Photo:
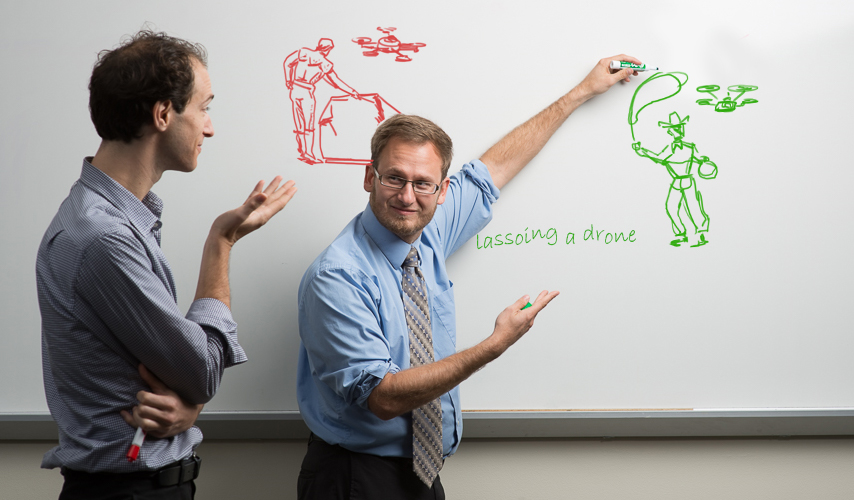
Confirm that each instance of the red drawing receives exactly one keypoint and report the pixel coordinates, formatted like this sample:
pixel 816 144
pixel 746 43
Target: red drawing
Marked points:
pixel 354 113
pixel 388 44
pixel 355 120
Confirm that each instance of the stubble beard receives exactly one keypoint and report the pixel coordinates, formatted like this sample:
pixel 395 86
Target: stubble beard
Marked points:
pixel 398 225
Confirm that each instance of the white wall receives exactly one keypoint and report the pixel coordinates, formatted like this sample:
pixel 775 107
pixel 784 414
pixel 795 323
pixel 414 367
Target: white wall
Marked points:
pixel 759 318
pixel 753 469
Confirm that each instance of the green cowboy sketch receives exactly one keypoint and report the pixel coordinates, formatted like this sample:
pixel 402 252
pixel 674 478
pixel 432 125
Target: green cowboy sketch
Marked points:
pixel 684 205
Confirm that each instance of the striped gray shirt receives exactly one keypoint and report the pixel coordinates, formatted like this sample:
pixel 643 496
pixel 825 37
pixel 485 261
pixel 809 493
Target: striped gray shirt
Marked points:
pixel 108 302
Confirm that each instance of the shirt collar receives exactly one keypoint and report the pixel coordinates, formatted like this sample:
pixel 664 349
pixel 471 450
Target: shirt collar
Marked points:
pixel 144 215
pixel 390 244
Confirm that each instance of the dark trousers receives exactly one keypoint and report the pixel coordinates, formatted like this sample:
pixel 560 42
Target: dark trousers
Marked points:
pixel 132 486
pixel 329 472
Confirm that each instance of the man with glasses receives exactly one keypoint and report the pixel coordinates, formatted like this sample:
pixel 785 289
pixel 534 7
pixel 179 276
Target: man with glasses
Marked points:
pixel 378 368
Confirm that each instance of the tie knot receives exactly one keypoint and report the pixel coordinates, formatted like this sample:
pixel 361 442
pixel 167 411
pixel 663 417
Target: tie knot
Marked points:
pixel 411 258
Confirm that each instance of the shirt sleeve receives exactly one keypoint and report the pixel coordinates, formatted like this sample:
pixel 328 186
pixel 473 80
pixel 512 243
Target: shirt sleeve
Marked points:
pixel 467 207
pixel 326 65
pixel 188 354
pixel 341 331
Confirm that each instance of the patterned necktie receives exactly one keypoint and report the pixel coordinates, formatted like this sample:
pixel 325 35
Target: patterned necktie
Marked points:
pixel 426 420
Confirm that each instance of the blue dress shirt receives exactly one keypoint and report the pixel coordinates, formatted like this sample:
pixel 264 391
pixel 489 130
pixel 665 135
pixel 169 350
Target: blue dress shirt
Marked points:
pixel 108 302
pixel 352 323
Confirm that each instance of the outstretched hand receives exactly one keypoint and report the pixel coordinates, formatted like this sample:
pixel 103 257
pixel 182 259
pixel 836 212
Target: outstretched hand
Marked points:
pixel 261 205
pixel 602 77
pixel 161 412
pixel 513 322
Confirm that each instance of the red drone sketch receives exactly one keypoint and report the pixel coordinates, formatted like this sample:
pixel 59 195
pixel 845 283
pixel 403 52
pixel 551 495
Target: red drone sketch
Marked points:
pixel 388 44
pixel 354 114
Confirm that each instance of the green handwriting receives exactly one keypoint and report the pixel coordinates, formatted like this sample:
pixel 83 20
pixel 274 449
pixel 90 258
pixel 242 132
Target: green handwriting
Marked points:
pixel 550 237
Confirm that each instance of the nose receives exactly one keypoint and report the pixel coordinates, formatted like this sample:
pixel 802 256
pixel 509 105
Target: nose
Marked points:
pixel 208 130
pixel 406 194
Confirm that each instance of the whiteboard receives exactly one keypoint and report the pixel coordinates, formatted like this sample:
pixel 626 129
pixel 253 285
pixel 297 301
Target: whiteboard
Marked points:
pixel 760 317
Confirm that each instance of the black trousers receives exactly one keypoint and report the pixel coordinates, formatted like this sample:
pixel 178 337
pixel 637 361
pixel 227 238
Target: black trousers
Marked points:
pixel 329 472
pixel 132 486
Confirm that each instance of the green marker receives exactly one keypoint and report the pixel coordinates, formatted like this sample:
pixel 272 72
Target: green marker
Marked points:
pixel 636 67
pixel 526 306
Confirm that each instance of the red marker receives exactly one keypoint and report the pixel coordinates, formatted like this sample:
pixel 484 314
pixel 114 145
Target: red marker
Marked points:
pixel 136 444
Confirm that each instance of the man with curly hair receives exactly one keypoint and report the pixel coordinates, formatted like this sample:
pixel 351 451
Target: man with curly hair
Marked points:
pixel 117 352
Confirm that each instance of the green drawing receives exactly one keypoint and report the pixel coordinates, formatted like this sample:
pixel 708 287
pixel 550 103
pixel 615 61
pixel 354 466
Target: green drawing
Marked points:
pixel 727 104
pixel 684 205
pixel 662 81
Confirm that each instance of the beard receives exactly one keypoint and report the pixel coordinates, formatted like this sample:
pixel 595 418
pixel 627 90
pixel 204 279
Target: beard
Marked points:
pixel 403 227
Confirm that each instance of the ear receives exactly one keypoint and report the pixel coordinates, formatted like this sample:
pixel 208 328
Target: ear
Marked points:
pixel 443 190
pixel 162 113
pixel 369 178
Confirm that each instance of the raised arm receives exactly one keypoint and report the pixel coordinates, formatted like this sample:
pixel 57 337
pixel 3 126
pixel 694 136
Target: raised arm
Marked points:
pixel 646 153
pixel 510 155
pixel 231 226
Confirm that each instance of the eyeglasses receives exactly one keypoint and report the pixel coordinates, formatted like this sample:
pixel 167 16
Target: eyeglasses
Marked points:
pixel 395 182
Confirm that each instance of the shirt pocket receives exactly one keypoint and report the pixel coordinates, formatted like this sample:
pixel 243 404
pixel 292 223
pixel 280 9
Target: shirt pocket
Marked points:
pixel 444 323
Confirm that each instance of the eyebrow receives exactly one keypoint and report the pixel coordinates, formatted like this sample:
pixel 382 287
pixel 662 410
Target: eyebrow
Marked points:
pixel 398 173
pixel 208 100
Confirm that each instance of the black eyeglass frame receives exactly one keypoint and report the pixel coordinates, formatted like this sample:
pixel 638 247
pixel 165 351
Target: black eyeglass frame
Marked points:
pixel 405 182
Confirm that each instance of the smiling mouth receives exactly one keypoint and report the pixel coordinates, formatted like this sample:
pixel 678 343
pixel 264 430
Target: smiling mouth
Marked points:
pixel 403 211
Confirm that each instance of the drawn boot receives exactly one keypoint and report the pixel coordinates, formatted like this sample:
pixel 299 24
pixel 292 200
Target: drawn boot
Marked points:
pixel 701 241
pixel 309 156
pixel 301 147
pixel 680 238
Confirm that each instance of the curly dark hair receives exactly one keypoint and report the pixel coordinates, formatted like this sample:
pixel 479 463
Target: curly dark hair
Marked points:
pixel 144 69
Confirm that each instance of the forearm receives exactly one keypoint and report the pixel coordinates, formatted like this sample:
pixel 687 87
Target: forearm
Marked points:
pixel 338 83
pixel 213 275
pixel 509 155
pixel 402 392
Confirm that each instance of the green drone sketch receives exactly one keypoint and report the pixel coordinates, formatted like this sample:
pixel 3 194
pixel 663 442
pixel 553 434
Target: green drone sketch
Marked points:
pixel 684 205
pixel 727 104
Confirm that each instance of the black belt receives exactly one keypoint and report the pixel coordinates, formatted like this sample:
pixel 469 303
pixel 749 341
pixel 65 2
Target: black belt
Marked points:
pixel 171 475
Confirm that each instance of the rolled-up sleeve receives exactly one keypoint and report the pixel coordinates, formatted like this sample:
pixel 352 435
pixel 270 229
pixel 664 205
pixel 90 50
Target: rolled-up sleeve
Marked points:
pixel 341 331
pixel 123 300
pixel 467 207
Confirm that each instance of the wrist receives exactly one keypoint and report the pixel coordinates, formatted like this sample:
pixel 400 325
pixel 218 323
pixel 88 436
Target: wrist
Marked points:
pixel 492 348
pixel 218 241
pixel 580 94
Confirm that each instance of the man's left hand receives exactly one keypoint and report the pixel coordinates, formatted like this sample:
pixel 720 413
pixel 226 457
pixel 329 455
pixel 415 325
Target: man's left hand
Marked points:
pixel 161 412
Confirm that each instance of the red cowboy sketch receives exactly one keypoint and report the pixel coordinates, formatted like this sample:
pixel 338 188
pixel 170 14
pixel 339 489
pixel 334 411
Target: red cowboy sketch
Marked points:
pixel 304 68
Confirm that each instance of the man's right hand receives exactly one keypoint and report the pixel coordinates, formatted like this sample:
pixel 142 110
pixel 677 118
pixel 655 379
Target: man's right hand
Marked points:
pixel 514 321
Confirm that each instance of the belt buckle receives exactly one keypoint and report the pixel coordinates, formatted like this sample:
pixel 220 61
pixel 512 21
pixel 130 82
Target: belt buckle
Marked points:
pixel 190 468
pixel 180 472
